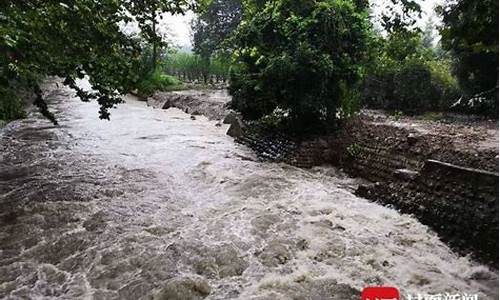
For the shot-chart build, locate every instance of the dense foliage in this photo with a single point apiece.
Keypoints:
(214, 25)
(408, 75)
(310, 62)
(11, 107)
(73, 39)
(302, 57)
(151, 74)
(194, 68)
(156, 81)
(470, 32)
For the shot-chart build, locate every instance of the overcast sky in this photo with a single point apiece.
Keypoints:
(178, 28)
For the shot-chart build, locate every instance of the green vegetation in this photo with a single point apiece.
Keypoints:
(213, 27)
(10, 106)
(355, 151)
(157, 81)
(298, 56)
(407, 76)
(470, 33)
(74, 39)
(303, 64)
(396, 115)
(211, 59)
(320, 61)
(432, 116)
(193, 68)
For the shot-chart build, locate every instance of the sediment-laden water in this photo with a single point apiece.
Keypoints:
(155, 205)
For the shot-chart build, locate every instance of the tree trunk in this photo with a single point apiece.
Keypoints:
(155, 54)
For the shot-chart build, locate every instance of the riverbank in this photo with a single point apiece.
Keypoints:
(395, 155)
(209, 103)
(443, 172)
(157, 205)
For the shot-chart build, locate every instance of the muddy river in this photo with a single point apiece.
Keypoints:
(155, 205)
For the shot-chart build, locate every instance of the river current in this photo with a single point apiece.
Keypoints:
(156, 205)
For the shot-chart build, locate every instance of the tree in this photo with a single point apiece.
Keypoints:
(470, 32)
(400, 15)
(408, 76)
(76, 38)
(212, 27)
(147, 12)
(300, 56)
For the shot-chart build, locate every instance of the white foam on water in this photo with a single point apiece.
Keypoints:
(153, 196)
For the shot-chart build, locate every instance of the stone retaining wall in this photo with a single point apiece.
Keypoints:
(459, 203)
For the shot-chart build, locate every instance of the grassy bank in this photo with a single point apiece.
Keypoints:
(158, 81)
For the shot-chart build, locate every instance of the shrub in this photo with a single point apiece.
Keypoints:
(11, 107)
(409, 78)
(396, 115)
(355, 151)
(470, 31)
(156, 81)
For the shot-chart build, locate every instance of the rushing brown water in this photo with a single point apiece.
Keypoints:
(154, 205)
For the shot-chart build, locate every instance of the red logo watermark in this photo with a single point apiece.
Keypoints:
(380, 293)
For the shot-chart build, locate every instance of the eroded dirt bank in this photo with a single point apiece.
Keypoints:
(209, 103)
(155, 205)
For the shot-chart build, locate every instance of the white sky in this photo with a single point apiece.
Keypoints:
(178, 27)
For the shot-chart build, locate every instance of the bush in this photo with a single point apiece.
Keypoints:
(156, 81)
(470, 31)
(409, 79)
(302, 57)
(11, 107)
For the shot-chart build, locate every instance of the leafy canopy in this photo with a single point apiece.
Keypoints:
(470, 32)
(214, 25)
(299, 56)
(76, 38)
(408, 73)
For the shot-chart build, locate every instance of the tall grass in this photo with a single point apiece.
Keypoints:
(193, 68)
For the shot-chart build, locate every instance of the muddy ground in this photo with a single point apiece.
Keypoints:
(209, 103)
(467, 141)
